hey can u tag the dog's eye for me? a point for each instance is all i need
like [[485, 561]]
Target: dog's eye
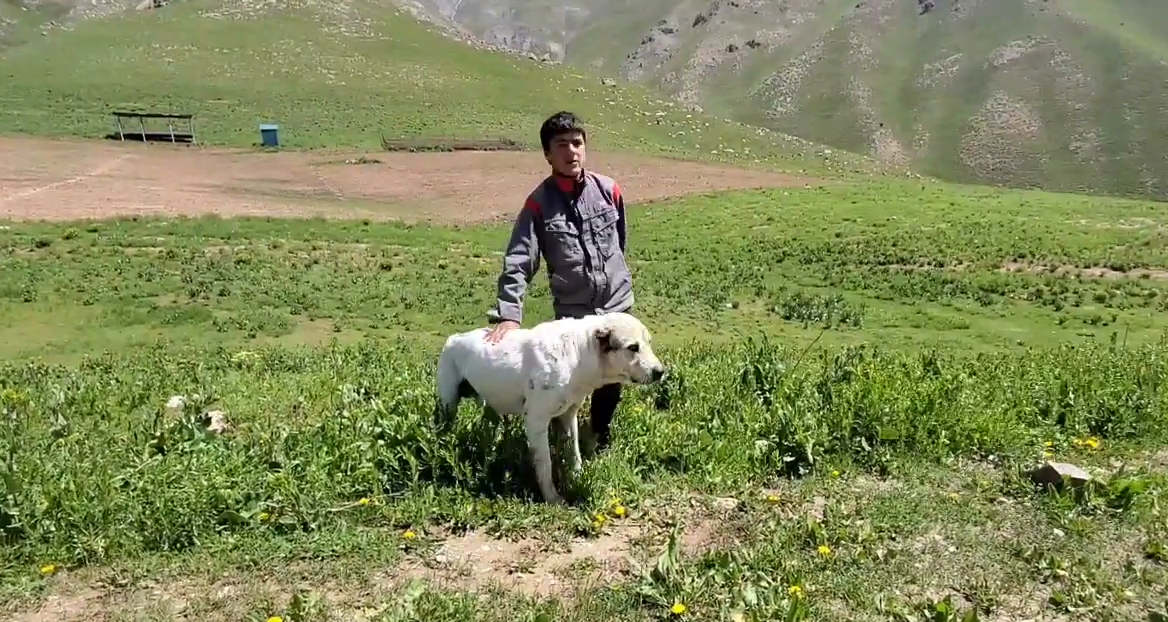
[[633, 347]]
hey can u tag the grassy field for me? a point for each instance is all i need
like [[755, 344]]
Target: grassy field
[[861, 373], [876, 473], [955, 267]]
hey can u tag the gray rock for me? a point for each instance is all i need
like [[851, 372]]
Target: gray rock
[[1056, 473]]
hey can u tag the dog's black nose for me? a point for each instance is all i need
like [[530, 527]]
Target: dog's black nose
[[657, 374]]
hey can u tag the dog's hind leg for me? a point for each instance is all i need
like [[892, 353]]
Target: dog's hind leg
[[570, 424]]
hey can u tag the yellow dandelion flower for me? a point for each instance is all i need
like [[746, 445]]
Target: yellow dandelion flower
[[264, 516], [243, 355], [619, 511], [409, 534], [1048, 444], [1048, 454], [48, 569], [677, 609], [772, 498], [796, 591], [596, 524], [824, 550], [363, 501], [835, 473], [600, 518], [1092, 442], [275, 619]]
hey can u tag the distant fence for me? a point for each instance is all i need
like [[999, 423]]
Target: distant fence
[[451, 144]]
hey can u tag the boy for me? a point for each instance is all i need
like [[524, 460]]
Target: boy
[[575, 221]]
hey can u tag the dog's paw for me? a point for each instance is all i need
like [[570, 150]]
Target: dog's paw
[[555, 500]]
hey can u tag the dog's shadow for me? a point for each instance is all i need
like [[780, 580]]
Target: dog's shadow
[[489, 457]]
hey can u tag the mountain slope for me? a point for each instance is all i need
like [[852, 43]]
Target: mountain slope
[[337, 74], [1061, 94]]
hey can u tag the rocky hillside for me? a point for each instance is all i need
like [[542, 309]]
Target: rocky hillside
[[24, 21], [1061, 94]]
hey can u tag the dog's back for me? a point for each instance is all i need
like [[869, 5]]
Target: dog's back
[[469, 366]]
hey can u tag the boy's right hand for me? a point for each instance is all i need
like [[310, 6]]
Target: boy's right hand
[[496, 334]]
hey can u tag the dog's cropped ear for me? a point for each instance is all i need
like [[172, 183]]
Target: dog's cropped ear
[[604, 338]]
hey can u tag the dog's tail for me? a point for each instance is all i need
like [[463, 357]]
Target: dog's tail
[[449, 380]]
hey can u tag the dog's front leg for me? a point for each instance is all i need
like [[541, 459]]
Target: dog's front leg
[[536, 422], [570, 424]]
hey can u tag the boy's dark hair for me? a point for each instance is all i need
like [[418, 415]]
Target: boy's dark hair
[[559, 123]]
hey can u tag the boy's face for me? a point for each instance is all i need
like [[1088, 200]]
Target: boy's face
[[566, 154]]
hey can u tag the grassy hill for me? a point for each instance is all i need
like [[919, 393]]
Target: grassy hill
[[17, 24], [1060, 94], [338, 74]]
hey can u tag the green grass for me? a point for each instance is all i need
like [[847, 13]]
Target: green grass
[[334, 78], [1137, 23], [19, 23], [896, 441], [857, 258]]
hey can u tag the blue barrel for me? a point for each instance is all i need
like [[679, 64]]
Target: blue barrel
[[269, 134]]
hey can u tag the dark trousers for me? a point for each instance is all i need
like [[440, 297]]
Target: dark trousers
[[603, 406], [604, 403]]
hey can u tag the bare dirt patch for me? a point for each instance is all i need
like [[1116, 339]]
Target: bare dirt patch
[[73, 604], [72, 179], [531, 566], [1095, 272], [544, 567], [97, 595]]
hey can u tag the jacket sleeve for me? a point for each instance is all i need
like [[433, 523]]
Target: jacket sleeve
[[621, 223], [520, 263]]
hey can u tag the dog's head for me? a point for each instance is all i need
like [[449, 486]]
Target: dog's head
[[625, 350]]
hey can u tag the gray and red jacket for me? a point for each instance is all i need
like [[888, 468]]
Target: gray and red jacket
[[578, 228]]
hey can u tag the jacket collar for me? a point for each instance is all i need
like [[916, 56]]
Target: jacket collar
[[569, 185]]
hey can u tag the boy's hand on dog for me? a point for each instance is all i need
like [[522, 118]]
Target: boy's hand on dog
[[496, 334]]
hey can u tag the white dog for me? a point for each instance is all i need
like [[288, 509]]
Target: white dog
[[544, 373]]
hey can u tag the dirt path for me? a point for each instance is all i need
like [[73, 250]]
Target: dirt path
[[44, 179], [532, 566]]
